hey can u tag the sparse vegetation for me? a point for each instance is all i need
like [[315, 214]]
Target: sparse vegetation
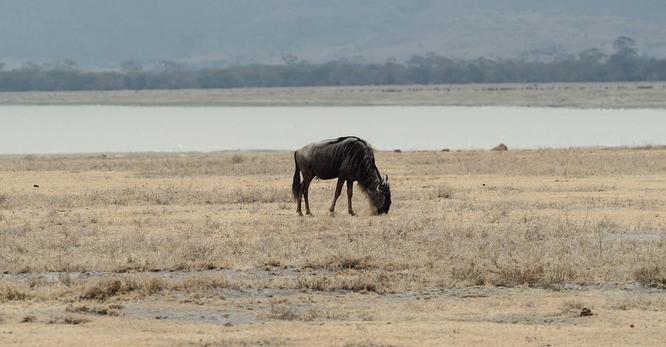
[[207, 230], [516, 219]]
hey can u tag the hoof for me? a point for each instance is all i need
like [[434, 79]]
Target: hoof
[[299, 213], [332, 213], [309, 214], [352, 213]]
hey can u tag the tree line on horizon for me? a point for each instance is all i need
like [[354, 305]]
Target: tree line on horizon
[[591, 65]]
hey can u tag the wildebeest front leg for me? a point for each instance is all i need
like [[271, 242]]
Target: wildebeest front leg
[[350, 192], [338, 190], [306, 186]]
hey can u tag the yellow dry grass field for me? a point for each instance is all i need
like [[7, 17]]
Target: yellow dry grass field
[[530, 247]]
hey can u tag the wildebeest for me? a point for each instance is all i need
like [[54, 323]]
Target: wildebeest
[[348, 159]]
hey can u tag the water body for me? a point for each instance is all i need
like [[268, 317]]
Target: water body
[[95, 129]]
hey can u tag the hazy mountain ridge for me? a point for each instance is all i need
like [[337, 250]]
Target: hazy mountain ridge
[[98, 33]]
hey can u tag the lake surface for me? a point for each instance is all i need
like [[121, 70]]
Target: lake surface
[[92, 129]]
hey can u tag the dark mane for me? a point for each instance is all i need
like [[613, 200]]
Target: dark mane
[[340, 139]]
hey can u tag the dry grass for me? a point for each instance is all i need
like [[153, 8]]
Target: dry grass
[[106, 288], [212, 229], [536, 218], [641, 302]]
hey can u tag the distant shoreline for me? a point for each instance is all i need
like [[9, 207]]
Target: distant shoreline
[[223, 152], [575, 95]]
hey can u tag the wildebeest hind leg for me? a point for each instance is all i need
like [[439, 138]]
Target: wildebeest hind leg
[[338, 190], [350, 192], [306, 187], [300, 197]]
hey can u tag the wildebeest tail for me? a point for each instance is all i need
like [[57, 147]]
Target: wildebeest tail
[[296, 186]]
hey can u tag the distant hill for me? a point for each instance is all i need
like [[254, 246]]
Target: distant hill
[[103, 33]]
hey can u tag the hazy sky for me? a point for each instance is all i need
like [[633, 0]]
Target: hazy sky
[[103, 33]]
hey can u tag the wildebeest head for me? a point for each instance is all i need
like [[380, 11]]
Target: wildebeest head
[[384, 190]]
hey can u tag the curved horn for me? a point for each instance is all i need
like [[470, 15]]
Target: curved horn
[[386, 178]]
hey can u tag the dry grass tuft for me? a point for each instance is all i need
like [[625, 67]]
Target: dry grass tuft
[[519, 275], [202, 283], [110, 310], [349, 263], [11, 293], [105, 288], [28, 319], [652, 276], [468, 273], [443, 192], [281, 309], [286, 312], [69, 319], [356, 281]]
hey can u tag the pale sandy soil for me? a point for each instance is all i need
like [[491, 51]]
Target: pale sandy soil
[[480, 248], [579, 95]]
